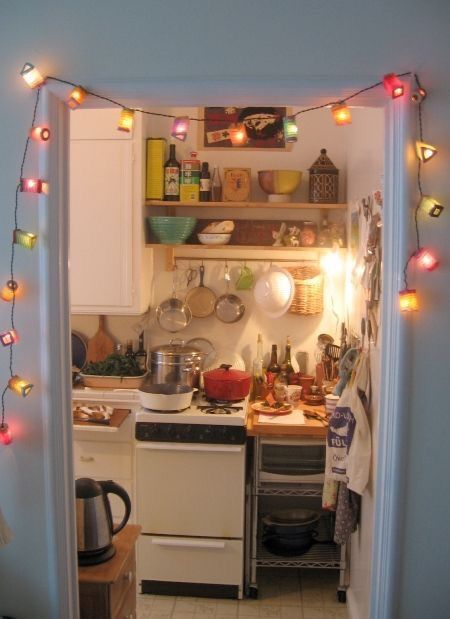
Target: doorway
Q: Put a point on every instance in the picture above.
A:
(398, 178)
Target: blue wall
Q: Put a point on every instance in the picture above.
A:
(257, 45)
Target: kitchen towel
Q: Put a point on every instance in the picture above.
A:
(295, 418)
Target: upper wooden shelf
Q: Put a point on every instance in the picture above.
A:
(249, 205)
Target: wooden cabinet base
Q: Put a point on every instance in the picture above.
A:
(108, 590)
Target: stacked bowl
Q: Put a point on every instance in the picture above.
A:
(330, 403)
(172, 230)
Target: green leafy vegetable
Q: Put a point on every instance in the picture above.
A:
(114, 365)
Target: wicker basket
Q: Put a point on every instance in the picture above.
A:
(308, 295)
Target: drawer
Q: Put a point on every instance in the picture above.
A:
(124, 589)
(98, 459)
(187, 559)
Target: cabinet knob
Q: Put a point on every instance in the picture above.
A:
(87, 458)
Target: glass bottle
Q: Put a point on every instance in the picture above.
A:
(258, 374)
(287, 358)
(273, 366)
(280, 384)
(205, 183)
(129, 348)
(172, 176)
(141, 355)
(216, 185)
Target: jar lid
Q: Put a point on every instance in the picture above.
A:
(323, 164)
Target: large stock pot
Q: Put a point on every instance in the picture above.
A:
(176, 363)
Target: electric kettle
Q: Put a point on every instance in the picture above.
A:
(95, 527)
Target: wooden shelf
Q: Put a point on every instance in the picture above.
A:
(207, 248)
(247, 205)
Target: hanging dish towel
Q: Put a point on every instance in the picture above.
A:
(347, 513)
(5, 532)
(348, 447)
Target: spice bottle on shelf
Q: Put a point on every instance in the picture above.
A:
(172, 177)
(216, 185)
(205, 183)
(258, 387)
(129, 348)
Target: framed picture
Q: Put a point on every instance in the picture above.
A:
(236, 184)
(263, 125)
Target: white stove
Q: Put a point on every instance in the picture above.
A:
(202, 422)
(201, 412)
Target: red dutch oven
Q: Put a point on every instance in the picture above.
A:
(225, 383)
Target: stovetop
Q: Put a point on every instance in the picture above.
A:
(201, 411)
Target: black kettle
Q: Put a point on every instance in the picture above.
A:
(95, 527)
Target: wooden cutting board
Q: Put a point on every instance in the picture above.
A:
(101, 344)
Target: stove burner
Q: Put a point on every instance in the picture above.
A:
(227, 403)
(219, 409)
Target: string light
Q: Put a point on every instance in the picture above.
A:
(9, 290)
(426, 259)
(425, 152)
(24, 239)
(126, 120)
(5, 434)
(40, 134)
(180, 128)
(290, 129)
(431, 206)
(341, 114)
(7, 338)
(408, 300)
(76, 97)
(31, 75)
(393, 85)
(19, 386)
(418, 95)
(237, 134)
(31, 185)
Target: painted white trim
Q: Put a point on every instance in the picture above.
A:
(387, 537)
(55, 362)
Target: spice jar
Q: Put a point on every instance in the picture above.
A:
(308, 234)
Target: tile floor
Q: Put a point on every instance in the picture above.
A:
(282, 594)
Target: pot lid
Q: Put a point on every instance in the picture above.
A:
(226, 373)
(323, 164)
(175, 348)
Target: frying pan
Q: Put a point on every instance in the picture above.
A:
(173, 314)
(229, 307)
(201, 300)
(79, 351)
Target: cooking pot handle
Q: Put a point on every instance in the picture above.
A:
(110, 487)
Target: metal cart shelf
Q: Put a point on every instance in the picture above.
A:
(323, 555)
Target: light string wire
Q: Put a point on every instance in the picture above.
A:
(16, 225)
(419, 187)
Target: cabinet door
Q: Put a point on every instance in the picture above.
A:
(100, 223)
(108, 260)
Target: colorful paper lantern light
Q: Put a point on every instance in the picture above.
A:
(126, 120)
(76, 97)
(408, 300)
(290, 129)
(418, 95)
(9, 290)
(426, 259)
(393, 86)
(24, 239)
(341, 114)
(431, 206)
(31, 75)
(31, 185)
(20, 386)
(238, 134)
(40, 134)
(425, 151)
(5, 434)
(180, 127)
(7, 338)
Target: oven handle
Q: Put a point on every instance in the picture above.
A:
(189, 447)
(186, 543)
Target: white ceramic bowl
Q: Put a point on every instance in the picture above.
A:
(274, 291)
(214, 238)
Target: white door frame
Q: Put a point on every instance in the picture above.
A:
(55, 311)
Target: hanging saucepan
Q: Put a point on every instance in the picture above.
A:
(229, 307)
(173, 314)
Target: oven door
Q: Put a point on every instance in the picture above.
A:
(190, 489)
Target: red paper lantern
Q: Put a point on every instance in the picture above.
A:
(5, 434)
(180, 127)
(31, 185)
(40, 134)
(426, 260)
(393, 85)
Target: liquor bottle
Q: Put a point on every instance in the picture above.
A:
(258, 374)
(129, 348)
(216, 185)
(172, 177)
(273, 366)
(141, 355)
(205, 183)
(287, 358)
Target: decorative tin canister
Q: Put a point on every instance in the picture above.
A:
(323, 180)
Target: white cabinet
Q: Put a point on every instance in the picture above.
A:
(110, 266)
